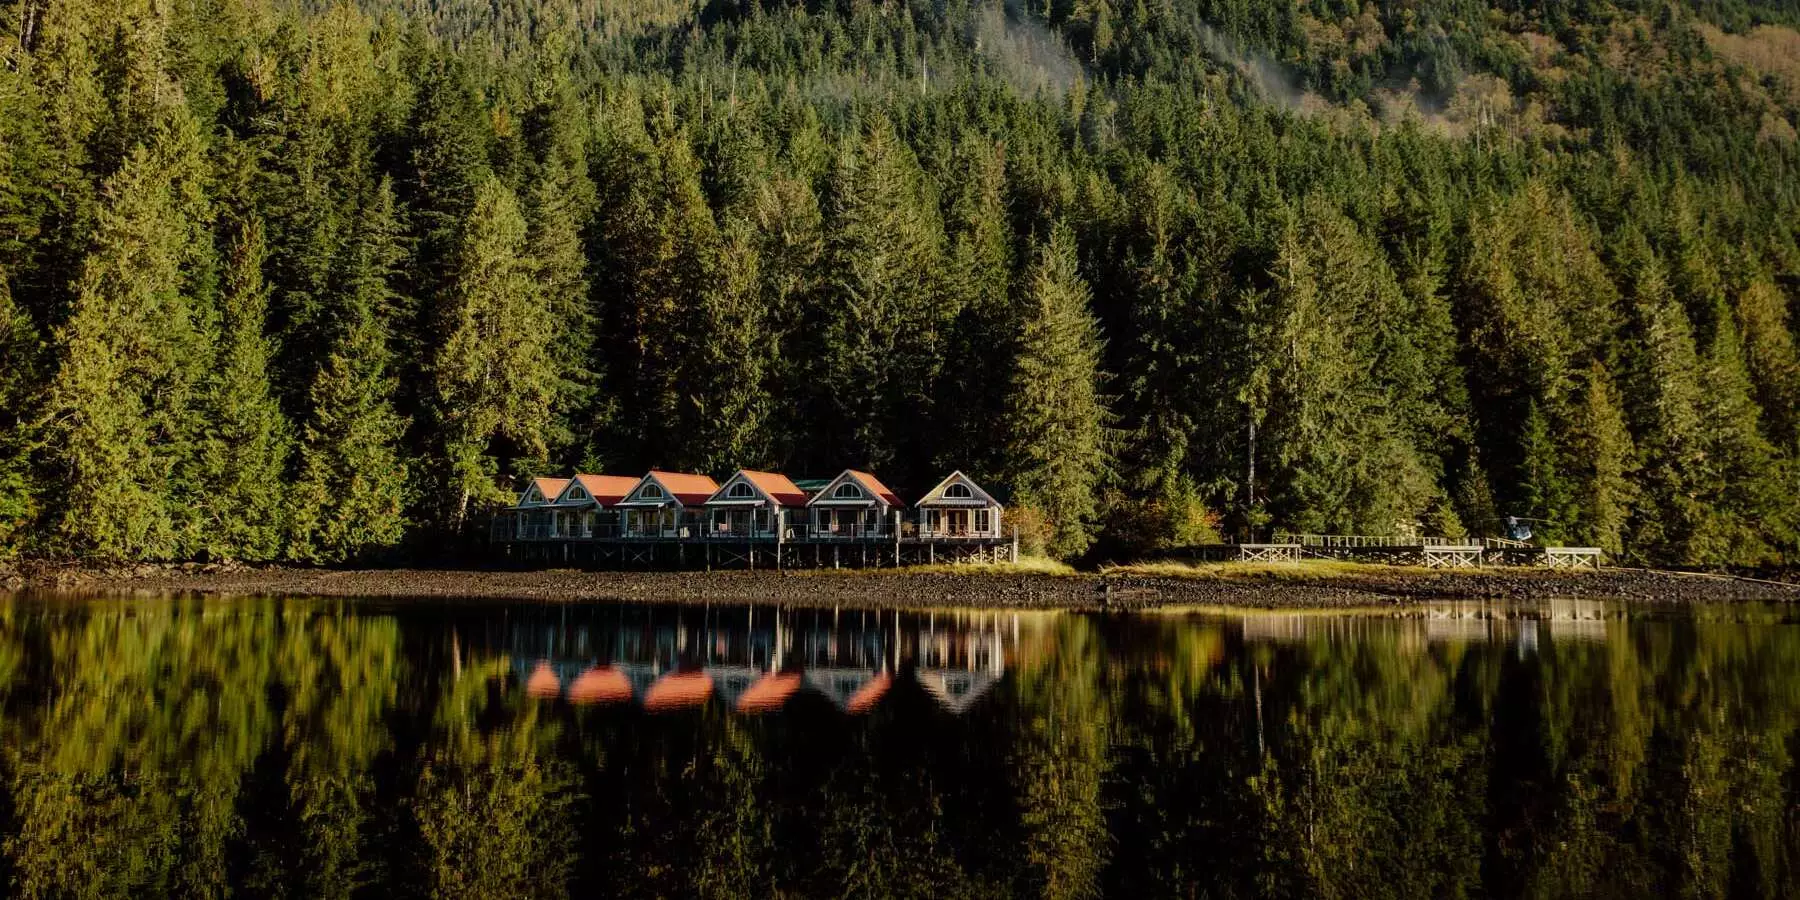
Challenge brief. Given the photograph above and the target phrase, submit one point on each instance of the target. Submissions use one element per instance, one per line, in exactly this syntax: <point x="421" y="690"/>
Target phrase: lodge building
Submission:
<point x="753" y="518"/>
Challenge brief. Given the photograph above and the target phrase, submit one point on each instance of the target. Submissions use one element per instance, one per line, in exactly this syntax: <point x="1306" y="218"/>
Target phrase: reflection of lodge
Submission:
<point x="756" y="661"/>
<point x="1583" y="620"/>
<point x="753" y="518"/>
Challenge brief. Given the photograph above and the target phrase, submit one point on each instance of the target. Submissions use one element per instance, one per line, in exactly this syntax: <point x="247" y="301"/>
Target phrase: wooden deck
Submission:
<point x="756" y="550"/>
<point x="1429" y="552"/>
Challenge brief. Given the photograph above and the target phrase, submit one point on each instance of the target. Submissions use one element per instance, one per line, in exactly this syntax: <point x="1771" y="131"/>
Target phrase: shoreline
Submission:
<point x="975" y="588"/>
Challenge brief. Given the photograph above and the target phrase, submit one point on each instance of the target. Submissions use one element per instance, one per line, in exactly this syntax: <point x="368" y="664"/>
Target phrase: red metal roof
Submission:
<point x="874" y="484"/>
<point x="691" y="490"/>
<point x="777" y="486"/>
<point x="607" y="489"/>
<point x="549" y="487"/>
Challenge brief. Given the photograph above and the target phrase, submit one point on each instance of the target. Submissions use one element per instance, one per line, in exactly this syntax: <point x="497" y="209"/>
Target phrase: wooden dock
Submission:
<point x="756" y="551"/>
<point x="1399" y="550"/>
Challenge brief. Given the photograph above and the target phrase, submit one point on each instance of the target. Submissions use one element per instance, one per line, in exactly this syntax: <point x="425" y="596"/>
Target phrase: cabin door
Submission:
<point x="957" y="521"/>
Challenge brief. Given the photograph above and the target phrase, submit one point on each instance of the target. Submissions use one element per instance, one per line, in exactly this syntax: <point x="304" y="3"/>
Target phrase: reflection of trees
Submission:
<point x="126" y="772"/>
<point x="125" y="779"/>
<point x="492" y="802"/>
<point x="303" y="750"/>
<point x="1058" y="761"/>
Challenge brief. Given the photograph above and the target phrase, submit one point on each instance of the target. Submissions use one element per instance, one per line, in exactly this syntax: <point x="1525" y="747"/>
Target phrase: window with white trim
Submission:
<point x="982" y="523"/>
<point x="651" y="491"/>
<point x="740" y="490"/>
<point x="958" y="491"/>
<point x="847" y="492"/>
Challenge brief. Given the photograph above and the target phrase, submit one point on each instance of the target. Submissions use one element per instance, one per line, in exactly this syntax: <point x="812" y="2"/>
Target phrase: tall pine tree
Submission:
<point x="349" y="496"/>
<point x="1056" y="418"/>
<point x="244" y="454"/>
<point x="493" y="378"/>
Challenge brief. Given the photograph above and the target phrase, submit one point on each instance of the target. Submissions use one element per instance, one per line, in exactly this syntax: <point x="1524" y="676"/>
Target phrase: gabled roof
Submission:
<point x="689" y="490"/>
<point x="604" y="490"/>
<point x="936" y="495"/>
<point x="869" y="483"/>
<point x="773" y="486"/>
<point x="548" y="487"/>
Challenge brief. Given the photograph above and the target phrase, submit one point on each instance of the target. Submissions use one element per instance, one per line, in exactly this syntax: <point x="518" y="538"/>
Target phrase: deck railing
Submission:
<point x="1358" y="541"/>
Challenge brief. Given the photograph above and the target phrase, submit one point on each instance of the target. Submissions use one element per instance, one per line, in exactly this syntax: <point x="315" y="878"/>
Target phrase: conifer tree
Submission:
<point x="881" y="326"/>
<point x="1056" y="418"/>
<point x="1666" y="414"/>
<point x="1342" y="464"/>
<point x="23" y="350"/>
<point x="559" y="206"/>
<point x="1750" y="512"/>
<point x="244" y="454"/>
<point x="1543" y="486"/>
<point x="1774" y="363"/>
<point x="128" y="363"/>
<point x="1604" y="462"/>
<point x="659" y="242"/>
<point x="349" y="496"/>
<point x="493" y="377"/>
<point x="726" y="405"/>
<point x="980" y="275"/>
<point x="559" y="271"/>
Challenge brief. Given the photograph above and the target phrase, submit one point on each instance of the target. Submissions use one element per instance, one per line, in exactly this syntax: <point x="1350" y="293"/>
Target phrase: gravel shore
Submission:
<point x="1380" y="586"/>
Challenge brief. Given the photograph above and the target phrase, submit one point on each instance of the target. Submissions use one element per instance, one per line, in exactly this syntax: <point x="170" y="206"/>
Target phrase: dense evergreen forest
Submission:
<point x="319" y="281"/>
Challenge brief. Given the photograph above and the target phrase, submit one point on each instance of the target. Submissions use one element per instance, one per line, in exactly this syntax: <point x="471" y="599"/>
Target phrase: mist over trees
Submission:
<point x="320" y="281"/>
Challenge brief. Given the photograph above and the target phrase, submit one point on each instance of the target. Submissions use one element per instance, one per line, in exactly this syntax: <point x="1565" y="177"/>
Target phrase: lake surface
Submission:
<point x="305" y="748"/>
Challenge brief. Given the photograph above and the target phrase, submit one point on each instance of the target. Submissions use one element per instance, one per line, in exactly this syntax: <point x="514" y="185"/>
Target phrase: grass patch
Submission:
<point x="1303" y="570"/>
<point x="1030" y="565"/>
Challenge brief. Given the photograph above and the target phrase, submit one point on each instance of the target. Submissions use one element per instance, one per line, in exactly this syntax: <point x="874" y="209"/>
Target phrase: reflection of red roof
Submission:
<point x="543" y="682"/>
<point x="691" y="490"/>
<point x="769" y="692"/>
<point x="874" y="484"/>
<point x="678" y="689"/>
<point x="866" y="696"/>
<point x="776" y="485"/>
<point x="607" y="489"/>
<point x="599" y="685"/>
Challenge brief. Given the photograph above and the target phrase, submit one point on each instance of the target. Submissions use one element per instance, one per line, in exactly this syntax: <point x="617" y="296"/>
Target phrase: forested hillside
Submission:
<point x="319" y="281"/>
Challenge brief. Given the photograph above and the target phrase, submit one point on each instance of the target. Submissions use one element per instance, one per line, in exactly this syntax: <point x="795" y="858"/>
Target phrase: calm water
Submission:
<point x="304" y="748"/>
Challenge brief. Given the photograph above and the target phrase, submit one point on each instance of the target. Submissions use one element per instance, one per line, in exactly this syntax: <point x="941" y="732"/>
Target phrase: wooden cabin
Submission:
<point x="958" y="509"/>
<point x="533" y="517"/>
<point x="665" y="505"/>
<point x="752" y="504"/>
<point x="854" y="504"/>
<point x="588" y="506"/>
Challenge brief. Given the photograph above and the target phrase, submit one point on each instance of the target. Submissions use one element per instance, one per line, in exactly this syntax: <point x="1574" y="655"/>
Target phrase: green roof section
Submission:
<point x="811" y="485"/>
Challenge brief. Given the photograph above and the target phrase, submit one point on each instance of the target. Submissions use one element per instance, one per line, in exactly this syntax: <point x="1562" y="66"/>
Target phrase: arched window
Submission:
<point x="958" y="491"/>
<point x="578" y="494"/>
<point x="740" y="490"/>
<point x="847" y="492"/>
<point x="651" y="491"/>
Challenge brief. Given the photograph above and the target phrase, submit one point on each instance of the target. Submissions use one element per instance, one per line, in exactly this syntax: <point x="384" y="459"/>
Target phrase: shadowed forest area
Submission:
<point x="320" y="281"/>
